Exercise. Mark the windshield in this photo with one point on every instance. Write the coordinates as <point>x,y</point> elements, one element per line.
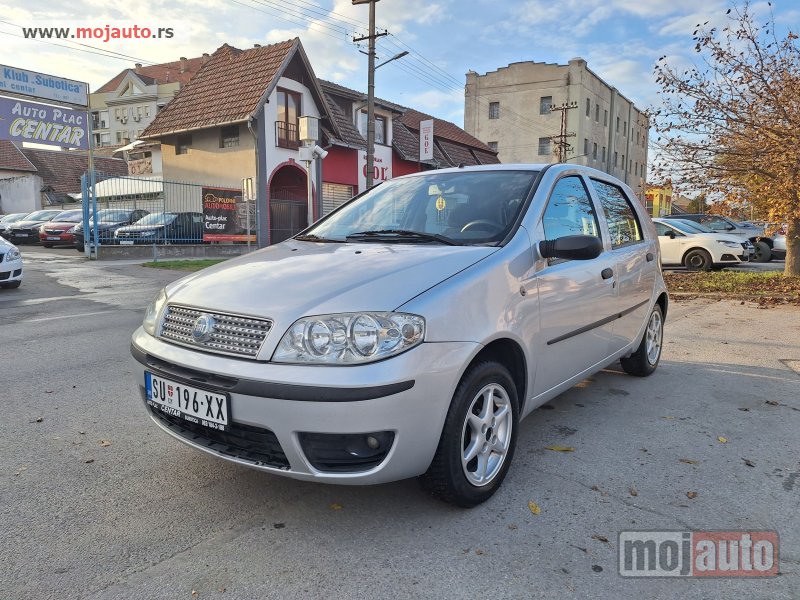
<point>693,226</point>
<point>156,219</point>
<point>13,218</point>
<point>42,215</point>
<point>112,216</point>
<point>69,216</point>
<point>466,207</point>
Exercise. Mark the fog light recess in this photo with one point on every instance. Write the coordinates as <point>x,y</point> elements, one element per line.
<point>346,452</point>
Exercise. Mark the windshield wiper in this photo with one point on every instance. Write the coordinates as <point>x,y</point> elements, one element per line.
<point>310,237</point>
<point>398,234</point>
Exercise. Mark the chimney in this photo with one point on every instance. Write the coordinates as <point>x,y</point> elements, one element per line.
<point>256,45</point>
<point>138,68</point>
<point>205,57</point>
<point>183,64</point>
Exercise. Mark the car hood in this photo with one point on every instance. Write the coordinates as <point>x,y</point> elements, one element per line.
<point>61,224</point>
<point>27,224</point>
<point>295,279</point>
<point>719,236</point>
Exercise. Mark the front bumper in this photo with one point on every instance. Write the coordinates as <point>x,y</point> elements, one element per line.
<point>407,395</point>
<point>10,271</point>
<point>56,238</point>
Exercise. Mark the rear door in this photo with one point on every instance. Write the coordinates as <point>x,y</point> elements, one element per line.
<point>576,297</point>
<point>634,256</point>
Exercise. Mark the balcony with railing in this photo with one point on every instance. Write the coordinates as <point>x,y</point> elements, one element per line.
<point>286,135</point>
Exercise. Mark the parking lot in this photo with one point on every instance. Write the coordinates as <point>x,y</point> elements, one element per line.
<point>98,503</point>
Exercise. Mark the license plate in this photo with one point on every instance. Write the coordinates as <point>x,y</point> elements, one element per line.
<point>205,408</point>
<point>53,238</point>
<point>126,242</point>
<point>22,235</point>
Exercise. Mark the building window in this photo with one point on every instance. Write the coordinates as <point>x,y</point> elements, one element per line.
<point>494,110</point>
<point>545,105</point>
<point>588,107</point>
<point>630,165</point>
<point>182,144</point>
<point>605,119</point>
<point>585,147</point>
<point>119,137</point>
<point>334,195</point>
<point>380,127</point>
<point>544,146</point>
<point>147,110</point>
<point>597,113</point>
<point>594,152</point>
<point>616,159</point>
<point>623,162</point>
<point>625,128</point>
<point>229,136</point>
<point>289,110</point>
<point>604,154</point>
<point>493,146</point>
<point>638,138</point>
<point>617,124</point>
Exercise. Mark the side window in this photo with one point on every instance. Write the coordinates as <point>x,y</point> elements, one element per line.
<point>569,211</point>
<point>662,229</point>
<point>623,225</point>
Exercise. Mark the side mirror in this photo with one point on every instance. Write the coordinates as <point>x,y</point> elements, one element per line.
<point>572,247</point>
<point>670,234</point>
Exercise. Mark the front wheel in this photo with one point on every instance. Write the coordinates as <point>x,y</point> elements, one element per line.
<point>478,438</point>
<point>644,361</point>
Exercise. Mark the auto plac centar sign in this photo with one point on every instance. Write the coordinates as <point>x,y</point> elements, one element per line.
<point>43,124</point>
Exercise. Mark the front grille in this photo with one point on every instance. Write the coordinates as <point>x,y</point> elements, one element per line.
<point>254,444</point>
<point>4,276</point>
<point>231,334</point>
<point>54,231</point>
<point>2,256</point>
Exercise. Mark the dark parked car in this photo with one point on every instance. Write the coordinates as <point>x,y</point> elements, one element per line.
<point>6,221</point>
<point>108,221</point>
<point>59,231</point>
<point>26,231</point>
<point>163,228</point>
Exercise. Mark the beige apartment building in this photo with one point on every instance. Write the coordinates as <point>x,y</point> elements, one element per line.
<point>512,110</point>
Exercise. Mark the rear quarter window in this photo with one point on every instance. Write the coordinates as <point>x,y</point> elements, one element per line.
<point>623,224</point>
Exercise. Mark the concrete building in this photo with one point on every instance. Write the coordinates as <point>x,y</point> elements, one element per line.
<point>511,109</point>
<point>123,107</point>
<point>238,118</point>
<point>658,200</point>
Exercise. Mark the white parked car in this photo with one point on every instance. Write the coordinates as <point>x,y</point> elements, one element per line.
<point>683,243</point>
<point>10,265</point>
<point>409,331</point>
<point>779,247</point>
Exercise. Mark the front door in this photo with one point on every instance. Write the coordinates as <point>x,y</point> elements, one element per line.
<point>576,297</point>
<point>671,243</point>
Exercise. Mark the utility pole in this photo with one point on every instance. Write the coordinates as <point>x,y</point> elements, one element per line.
<point>560,140</point>
<point>370,87</point>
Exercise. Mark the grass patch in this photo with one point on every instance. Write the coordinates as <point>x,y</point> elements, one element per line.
<point>184,265</point>
<point>735,284</point>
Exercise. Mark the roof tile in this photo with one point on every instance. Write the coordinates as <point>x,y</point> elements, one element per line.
<point>62,171</point>
<point>163,73</point>
<point>12,158</point>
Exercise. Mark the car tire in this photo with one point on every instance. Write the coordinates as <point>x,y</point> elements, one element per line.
<point>698,260</point>
<point>645,360</point>
<point>476,448</point>
<point>47,245</point>
<point>12,286</point>
<point>763,252</point>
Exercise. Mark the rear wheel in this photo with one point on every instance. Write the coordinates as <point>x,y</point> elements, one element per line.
<point>644,361</point>
<point>478,438</point>
<point>698,260</point>
<point>763,252</point>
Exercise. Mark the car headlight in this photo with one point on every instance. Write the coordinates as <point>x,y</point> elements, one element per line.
<point>349,338</point>
<point>41,229</point>
<point>12,254</point>
<point>150,322</point>
<point>71,229</point>
<point>729,244</point>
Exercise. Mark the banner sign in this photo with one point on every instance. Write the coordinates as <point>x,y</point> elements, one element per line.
<point>45,87</point>
<point>30,122</point>
<point>381,166</point>
<point>225,216</point>
<point>426,140</point>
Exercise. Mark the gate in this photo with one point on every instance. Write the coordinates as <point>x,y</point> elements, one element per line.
<point>287,217</point>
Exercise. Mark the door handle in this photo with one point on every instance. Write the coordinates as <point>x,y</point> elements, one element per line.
<point>650,257</point>
<point>607,273</point>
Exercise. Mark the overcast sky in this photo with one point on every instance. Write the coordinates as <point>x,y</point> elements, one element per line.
<point>620,39</point>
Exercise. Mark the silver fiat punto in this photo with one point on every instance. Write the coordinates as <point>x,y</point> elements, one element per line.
<point>408,332</point>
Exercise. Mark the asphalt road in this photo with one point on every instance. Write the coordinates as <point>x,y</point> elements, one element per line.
<point>96,502</point>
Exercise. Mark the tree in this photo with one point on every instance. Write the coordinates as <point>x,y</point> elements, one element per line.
<point>729,125</point>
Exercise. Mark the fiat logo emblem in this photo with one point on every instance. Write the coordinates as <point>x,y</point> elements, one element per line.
<point>203,328</point>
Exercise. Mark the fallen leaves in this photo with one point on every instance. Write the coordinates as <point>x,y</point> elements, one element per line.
<point>772,402</point>
<point>600,538</point>
<point>534,508</point>
<point>560,448</point>
<point>722,440</point>
<point>691,495</point>
<point>633,491</point>
<point>689,461</point>
<point>749,462</point>
<point>104,443</point>
<point>89,461</point>
<point>21,470</point>
<point>336,506</point>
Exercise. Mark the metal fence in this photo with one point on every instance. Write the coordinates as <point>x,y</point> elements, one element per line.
<point>135,210</point>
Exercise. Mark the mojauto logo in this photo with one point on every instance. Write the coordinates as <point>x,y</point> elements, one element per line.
<point>29,122</point>
<point>698,553</point>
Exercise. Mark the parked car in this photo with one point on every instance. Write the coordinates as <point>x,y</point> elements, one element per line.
<point>10,265</point>
<point>108,221</point>
<point>26,231</point>
<point>6,221</point>
<point>683,245</point>
<point>163,228</point>
<point>762,242</point>
<point>409,331</point>
<point>58,231</point>
<point>694,226</point>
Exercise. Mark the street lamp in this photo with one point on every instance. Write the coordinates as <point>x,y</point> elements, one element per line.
<point>309,134</point>
<point>395,57</point>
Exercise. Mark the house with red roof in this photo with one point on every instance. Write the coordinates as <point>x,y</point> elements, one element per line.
<point>238,118</point>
